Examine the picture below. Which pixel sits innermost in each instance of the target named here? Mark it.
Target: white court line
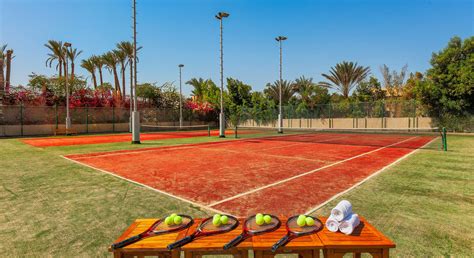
(369, 177)
(149, 187)
(304, 174)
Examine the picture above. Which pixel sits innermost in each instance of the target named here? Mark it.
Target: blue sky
(320, 34)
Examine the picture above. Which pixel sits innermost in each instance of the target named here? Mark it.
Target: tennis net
(428, 138)
(204, 130)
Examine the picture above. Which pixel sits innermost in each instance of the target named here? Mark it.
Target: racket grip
(234, 242)
(126, 242)
(282, 242)
(180, 242)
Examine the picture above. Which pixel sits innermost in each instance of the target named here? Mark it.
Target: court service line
(306, 173)
(148, 187)
(369, 177)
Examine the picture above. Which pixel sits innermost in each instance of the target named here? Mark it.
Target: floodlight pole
(180, 98)
(68, 117)
(220, 16)
(280, 39)
(135, 114)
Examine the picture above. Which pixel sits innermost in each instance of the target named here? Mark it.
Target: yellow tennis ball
(301, 221)
(259, 215)
(173, 215)
(224, 219)
(178, 220)
(309, 221)
(169, 221)
(259, 220)
(267, 219)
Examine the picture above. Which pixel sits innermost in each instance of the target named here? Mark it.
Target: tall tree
(127, 48)
(369, 90)
(2, 66)
(393, 81)
(88, 64)
(200, 88)
(57, 54)
(310, 93)
(8, 70)
(72, 54)
(449, 89)
(122, 59)
(272, 91)
(98, 63)
(345, 76)
(110, 60)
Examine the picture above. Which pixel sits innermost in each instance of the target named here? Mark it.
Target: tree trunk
(72, 71)
(117, 82)
(60, 68)
(2, 79)
(94, 80)
(65, 68)
(100, 75)
(123, 81)
(8, 71)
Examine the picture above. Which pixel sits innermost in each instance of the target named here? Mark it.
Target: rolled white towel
(342, 210)
(348, 225)
(332, 224)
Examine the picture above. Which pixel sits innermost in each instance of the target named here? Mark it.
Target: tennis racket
(251, 228)
(294, 231)
(158, 228)
(206, 228)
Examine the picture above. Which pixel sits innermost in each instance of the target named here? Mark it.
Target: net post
(444, 139)
(235, 131)
(208, 130)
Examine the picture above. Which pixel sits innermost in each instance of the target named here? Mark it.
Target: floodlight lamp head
(221, 15)
(281, 38)
(181, 65)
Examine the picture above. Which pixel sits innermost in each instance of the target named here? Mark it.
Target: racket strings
(209, 227)
(254, 228)
(293, 226)
(163, 227)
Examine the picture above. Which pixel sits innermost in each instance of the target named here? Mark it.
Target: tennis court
(280, 174)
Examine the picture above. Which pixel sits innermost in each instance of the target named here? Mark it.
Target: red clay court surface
(97, 139)
(282, 175)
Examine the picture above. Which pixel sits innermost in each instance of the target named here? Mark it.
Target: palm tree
(2, 66)
(8, 70)
(272, 90)
(110, 60)
(127, 48)
(98, 63)
(305, 88)
(72, 54)
(345, 76)
(89, 65)
(122, 59)
(200, 87)
(57, 54)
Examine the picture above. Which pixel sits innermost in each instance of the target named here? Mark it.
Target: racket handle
(126, 242)
(234, 242)
(282, 242)
(180, 242)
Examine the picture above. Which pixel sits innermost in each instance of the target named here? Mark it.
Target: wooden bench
(365, 239)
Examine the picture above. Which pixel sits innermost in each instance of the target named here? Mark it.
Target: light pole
(135, 114)
(280, 40)
(220, 16)
(68, 118)
(180, 98)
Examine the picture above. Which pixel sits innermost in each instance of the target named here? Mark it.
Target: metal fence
(46, 120)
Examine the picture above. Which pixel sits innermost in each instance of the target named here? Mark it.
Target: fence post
(330, 115)
(21, 118)
(383, 113)
(113, 118)
(87, 118)
(56, 115)
(444, 138)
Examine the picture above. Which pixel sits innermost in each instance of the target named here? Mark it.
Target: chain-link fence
(390, 114)
(47, 120)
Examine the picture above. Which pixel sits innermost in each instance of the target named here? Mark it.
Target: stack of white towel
(342, 219)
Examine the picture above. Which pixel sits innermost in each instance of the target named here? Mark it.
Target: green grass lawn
(53, 207)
